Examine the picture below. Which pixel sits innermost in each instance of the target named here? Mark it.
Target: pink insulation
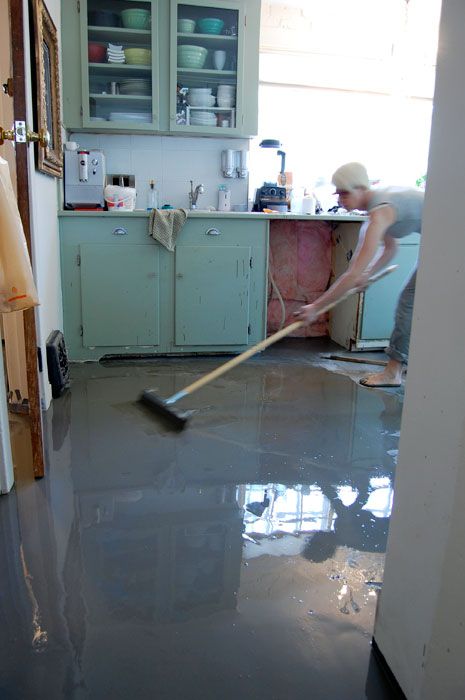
(300, 262)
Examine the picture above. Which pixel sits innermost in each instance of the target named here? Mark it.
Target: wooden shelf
(119, 34)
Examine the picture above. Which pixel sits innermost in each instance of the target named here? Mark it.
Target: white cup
(219, 59)
(71, 145)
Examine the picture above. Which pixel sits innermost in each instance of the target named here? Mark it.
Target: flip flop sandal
(364, 382)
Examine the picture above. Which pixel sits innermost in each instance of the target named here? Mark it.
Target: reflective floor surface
(239, 559)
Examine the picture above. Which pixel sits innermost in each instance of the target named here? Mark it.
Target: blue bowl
(210, 25)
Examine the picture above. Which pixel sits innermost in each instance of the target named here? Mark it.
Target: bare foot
(390, 376)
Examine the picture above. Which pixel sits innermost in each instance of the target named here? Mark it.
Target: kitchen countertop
(201, 214)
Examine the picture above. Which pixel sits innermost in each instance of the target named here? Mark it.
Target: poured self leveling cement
(239, 559)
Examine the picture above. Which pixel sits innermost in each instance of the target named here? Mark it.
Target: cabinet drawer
(223, 232)
(114, 230)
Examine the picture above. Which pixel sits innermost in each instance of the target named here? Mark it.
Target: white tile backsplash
(172, 162)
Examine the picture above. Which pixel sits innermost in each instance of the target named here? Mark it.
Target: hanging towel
(165, 224)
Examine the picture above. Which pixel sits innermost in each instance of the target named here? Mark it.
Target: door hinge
(245, 20)
(81, 111)
(78, 260)
(39, 359)
(81, 331)
(249, 329)
(79, 6)
(251, 263)
(8, 87)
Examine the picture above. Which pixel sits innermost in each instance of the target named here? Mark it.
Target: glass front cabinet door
(119, 64)
(207, 67)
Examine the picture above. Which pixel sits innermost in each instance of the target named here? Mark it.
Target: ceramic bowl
(186, 26)
(103, 18)
(135, 18)
(97, 53)
(210, 25)
(201, 100)
(138, 56)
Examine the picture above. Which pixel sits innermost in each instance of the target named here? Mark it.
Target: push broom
(162, 407)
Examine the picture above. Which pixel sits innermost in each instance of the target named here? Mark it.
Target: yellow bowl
(138, 56)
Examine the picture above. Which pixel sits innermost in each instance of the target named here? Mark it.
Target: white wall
(171, 162)
(44, 223)
(420, 625)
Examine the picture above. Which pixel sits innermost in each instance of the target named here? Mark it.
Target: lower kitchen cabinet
(208, 311)
(366, 320)
(125, 294)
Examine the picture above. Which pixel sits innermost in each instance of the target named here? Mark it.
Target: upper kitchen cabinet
(161, 66)
(213, 48)
(118, 65)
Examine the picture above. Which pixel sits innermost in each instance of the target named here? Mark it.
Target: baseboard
(395, 691)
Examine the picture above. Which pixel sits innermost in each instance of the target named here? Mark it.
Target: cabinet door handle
(212, 232)
(120, 231)
(179, 275)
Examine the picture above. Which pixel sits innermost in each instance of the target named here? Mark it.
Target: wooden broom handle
(207, 378)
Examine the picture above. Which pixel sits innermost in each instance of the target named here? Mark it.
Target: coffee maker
(84, 179)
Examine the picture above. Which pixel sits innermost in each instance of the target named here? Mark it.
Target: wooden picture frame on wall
(50, 157)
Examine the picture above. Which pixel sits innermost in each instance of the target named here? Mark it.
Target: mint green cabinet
(212, 295)
(211, 46)
(366, 320)
(152, 82)
(123, 293)
(120, 294)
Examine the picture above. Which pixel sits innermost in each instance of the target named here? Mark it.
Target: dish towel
(165, 224)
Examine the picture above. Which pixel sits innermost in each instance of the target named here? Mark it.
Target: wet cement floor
(239, 559)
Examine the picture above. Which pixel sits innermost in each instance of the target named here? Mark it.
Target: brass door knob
(43, 137)
(6, 135)
(21, 134)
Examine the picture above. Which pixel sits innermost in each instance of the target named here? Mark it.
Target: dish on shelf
(135, 18)
(210, 25)
(191, 56)
(139, 57)
(186, 26)
(103, 18)
(201, 100)
(135, 86)
(97, 53)
(130, 117)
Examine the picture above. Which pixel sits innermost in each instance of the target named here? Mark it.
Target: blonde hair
(350, 177)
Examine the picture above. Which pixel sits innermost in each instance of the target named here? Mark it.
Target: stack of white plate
(115, 54)
(135, 86)
(130, 117)
(203, 118)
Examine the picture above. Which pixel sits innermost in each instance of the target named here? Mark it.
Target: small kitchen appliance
(84, 179)
(270, 196)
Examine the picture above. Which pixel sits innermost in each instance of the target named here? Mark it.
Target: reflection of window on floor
(291, 510)
(380, 499)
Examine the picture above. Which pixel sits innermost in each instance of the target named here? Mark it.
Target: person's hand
(364, 281)
(307, 314)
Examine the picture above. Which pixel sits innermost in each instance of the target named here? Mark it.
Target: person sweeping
(394, 212)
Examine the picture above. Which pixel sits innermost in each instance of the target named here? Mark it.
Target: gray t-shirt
(408, 204)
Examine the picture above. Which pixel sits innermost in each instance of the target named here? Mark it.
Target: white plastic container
(121, 198)
(224, 198)
(308, 204)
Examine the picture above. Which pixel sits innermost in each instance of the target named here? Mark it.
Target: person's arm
(371, 236)
(387, 254)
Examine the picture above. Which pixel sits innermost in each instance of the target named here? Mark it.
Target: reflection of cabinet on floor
(180, 557)
(366, 320)
(123, 293)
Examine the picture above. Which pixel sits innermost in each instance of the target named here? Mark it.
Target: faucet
(194, 195)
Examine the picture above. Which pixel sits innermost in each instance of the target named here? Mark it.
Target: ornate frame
(48, 114)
